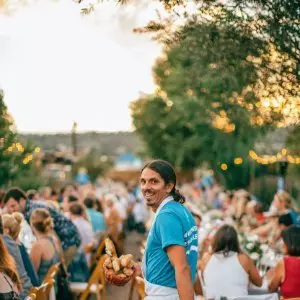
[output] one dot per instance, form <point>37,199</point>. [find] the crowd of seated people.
<point>45,227</point>
<point>225,268</point>
<point>42,228</point>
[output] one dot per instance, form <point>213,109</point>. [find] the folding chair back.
<point>97,280</point>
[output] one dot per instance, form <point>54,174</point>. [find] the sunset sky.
<point>57,66</point>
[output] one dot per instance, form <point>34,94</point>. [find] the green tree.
<point>208,105</point>
<point>177,133</point>
<point>293,141</point>
<point>227,75</point>
<point>276,22</point>
<point>14,157</point>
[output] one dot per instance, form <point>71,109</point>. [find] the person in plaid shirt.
<point>15,200</point>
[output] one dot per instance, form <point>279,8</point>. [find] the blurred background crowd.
<point>44,227</point>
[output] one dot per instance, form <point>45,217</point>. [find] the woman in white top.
<point>226,271</point>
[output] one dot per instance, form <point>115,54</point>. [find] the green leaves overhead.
<point>214,80</point>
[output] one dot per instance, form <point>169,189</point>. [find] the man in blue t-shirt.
<point>170,259</point>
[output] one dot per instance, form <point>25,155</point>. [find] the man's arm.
<point>184,282</point>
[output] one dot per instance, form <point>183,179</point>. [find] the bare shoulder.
<point>243,257</point>
<point>38,246</point>
<point>206,256</point>
<point>42,244</point>
<point>280,264</point>
<point>244,260</point>
<point>204,260</point>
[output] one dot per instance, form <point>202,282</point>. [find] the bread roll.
<point>108,263</point>
<point>110,248</point>
<point>126,260</point>
<point>128,271</point>
<point>116,264</point>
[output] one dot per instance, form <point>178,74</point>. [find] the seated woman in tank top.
<point>226,271</point>
<point>45,251</point>
<point>12,224</point>
<point>286,274</point>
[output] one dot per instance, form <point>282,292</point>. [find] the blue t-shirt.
<point>97,220</point>
<point>174,225</point>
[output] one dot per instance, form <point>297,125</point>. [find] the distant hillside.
<point>107,143</point>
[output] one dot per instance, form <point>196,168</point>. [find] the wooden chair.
<point>52,272</point>
<point>138,285</point>
<point>31,296</point>
<point>101,247</point>
<point>43,291</point>
<point>98,253</point>
<point>95,285</point>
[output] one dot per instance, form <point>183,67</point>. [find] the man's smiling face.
<point>154,188</point>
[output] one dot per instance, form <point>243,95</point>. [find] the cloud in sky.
<point>57,66</point>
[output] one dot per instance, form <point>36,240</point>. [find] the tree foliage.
<point>14,157</point>
<point>276,22</point>
<point>221,85</point>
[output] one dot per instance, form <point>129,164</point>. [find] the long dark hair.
<point>167,173</point>
<point>226,240</point>
<point>291,238</point>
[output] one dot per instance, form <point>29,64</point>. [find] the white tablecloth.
<point>255,290</point>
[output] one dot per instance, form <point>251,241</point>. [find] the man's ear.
<point>169,187</point>
<point>23,204</point>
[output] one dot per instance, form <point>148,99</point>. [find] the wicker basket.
<point>116,279</point>
<point>110,276</point>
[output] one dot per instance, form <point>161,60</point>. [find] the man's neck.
<point>154,209</point>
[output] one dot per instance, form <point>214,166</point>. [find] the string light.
<point>224,167</point>
<point>238,161</point>
<point>282,155</point>
<point>27,159</point>
<point>270,159</point>
<point>222,122</point>
<point>17,146</point>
